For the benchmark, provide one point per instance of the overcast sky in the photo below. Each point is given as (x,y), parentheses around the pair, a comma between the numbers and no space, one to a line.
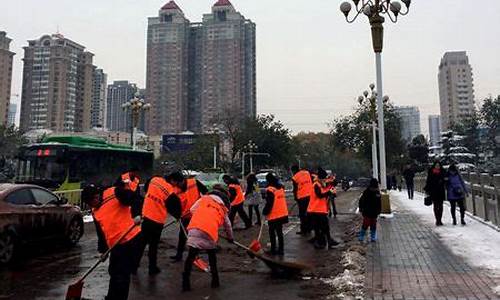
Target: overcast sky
(311,64)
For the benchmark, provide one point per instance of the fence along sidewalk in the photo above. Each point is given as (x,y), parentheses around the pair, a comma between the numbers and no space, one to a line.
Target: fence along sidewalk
(483,200)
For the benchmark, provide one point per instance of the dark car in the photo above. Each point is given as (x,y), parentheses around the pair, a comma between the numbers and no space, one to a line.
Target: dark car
(29,213)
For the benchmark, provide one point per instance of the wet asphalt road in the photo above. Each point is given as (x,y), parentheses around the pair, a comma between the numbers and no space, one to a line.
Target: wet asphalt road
(45,271)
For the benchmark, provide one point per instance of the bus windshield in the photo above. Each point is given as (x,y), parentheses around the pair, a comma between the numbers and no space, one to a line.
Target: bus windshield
(41,169)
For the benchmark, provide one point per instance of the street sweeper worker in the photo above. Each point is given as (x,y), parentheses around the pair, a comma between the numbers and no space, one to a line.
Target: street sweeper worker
(209,213)
(113,212)
(189,191)
(276,212)
(302,189)
(160,200)
(318,210)
(237,199)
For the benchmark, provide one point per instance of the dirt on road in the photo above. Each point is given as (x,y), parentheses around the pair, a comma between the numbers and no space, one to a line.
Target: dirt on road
(242,277)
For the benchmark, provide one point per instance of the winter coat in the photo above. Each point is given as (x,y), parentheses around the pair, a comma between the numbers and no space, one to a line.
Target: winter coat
(253,196)
(455,187)
(409,174)
(370,203)
(435,185)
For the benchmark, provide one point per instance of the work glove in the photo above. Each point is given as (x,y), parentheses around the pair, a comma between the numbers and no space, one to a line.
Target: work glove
(230,240)
(137,220)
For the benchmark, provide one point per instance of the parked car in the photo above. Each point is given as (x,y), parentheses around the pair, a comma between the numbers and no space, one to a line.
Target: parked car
(210,179)
(30,214)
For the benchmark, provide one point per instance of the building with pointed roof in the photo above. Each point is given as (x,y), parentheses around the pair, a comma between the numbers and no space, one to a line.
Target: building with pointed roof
(197,72)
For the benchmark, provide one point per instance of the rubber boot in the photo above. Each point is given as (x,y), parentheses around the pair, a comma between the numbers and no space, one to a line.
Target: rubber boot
(361,235)
(373,235)
(186,282)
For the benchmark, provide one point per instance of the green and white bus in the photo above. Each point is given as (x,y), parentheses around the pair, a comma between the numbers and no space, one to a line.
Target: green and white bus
(64,163)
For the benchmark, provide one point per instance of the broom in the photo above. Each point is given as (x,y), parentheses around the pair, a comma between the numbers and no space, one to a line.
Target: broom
(255,245)
(74,291)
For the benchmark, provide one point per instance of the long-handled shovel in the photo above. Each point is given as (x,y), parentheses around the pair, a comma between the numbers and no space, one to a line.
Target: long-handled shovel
(74,291)
(198,261)
(255,245)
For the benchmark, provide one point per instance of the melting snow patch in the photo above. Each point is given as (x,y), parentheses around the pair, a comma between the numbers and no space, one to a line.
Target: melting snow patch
(88,219)
(387,216)
(497,290)
(349,284)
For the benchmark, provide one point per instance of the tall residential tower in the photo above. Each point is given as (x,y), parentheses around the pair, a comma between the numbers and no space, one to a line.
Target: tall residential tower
(434,130)
(167,70)
(6,58)
(99,92)
(57,85)
(456,88)
(410,122)
(118,93)
(197,72)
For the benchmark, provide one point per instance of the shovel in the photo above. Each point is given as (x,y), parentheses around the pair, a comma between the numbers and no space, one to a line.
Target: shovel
(255,245)
(198,261)
(74,291)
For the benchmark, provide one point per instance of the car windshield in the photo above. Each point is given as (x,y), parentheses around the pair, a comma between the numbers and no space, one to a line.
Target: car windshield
(208,177)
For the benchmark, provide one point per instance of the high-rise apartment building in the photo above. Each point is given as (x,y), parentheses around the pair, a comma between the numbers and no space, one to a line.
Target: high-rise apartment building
(99,92)
(228,60)
(119,92)
(57,85)
(434,129)
(6,58)
(197,72)
(167,70)
(456,88)
(12,114)
(410,121)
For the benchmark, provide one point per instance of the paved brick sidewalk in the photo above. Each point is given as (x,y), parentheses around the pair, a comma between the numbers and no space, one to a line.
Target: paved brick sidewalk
(410,262)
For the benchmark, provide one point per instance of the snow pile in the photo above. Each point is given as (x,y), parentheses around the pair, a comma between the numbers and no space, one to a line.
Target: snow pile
(497,290)
(350,283)
(476,242)
(88,219)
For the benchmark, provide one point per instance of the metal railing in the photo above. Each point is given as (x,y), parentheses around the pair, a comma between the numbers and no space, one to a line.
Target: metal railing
(484,195)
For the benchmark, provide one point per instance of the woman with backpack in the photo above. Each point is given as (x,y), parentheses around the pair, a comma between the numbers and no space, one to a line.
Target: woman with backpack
(457,191)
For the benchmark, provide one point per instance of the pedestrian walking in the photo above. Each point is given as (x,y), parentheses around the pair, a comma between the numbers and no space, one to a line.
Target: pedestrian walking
(409,175)
(276,212)
(208,215)
(302,189)
(331,182)
(318,210)
(253,198)
(114,212)
(237,199)
(435,189)
(456,191)
(189,190)
(159,201)
(370,207)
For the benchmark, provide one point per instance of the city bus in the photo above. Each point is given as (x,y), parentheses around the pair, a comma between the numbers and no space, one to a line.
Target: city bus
(66,163)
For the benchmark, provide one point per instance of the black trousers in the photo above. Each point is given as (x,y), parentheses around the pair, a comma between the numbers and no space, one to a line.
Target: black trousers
(453,207)
(410,187)
(121,263)
(438,210)
(181,244)
(240,210)
(305,222)
(212,261)
(251,208)
(321,226)
(276,232)
(151,233)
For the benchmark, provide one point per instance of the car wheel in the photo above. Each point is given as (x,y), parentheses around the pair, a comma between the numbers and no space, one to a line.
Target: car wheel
(75,231)
(7,246)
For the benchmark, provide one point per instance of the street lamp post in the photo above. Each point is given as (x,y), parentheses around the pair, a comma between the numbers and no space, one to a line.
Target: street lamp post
(374,9)
(135,106)
(215,131)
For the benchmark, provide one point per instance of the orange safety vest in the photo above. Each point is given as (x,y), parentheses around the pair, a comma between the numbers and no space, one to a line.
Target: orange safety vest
(129,183)
(154,202)
(304,184)
(208,217)
(239,194)
(189,197)
(114,219)
(280,208)
(317,204)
